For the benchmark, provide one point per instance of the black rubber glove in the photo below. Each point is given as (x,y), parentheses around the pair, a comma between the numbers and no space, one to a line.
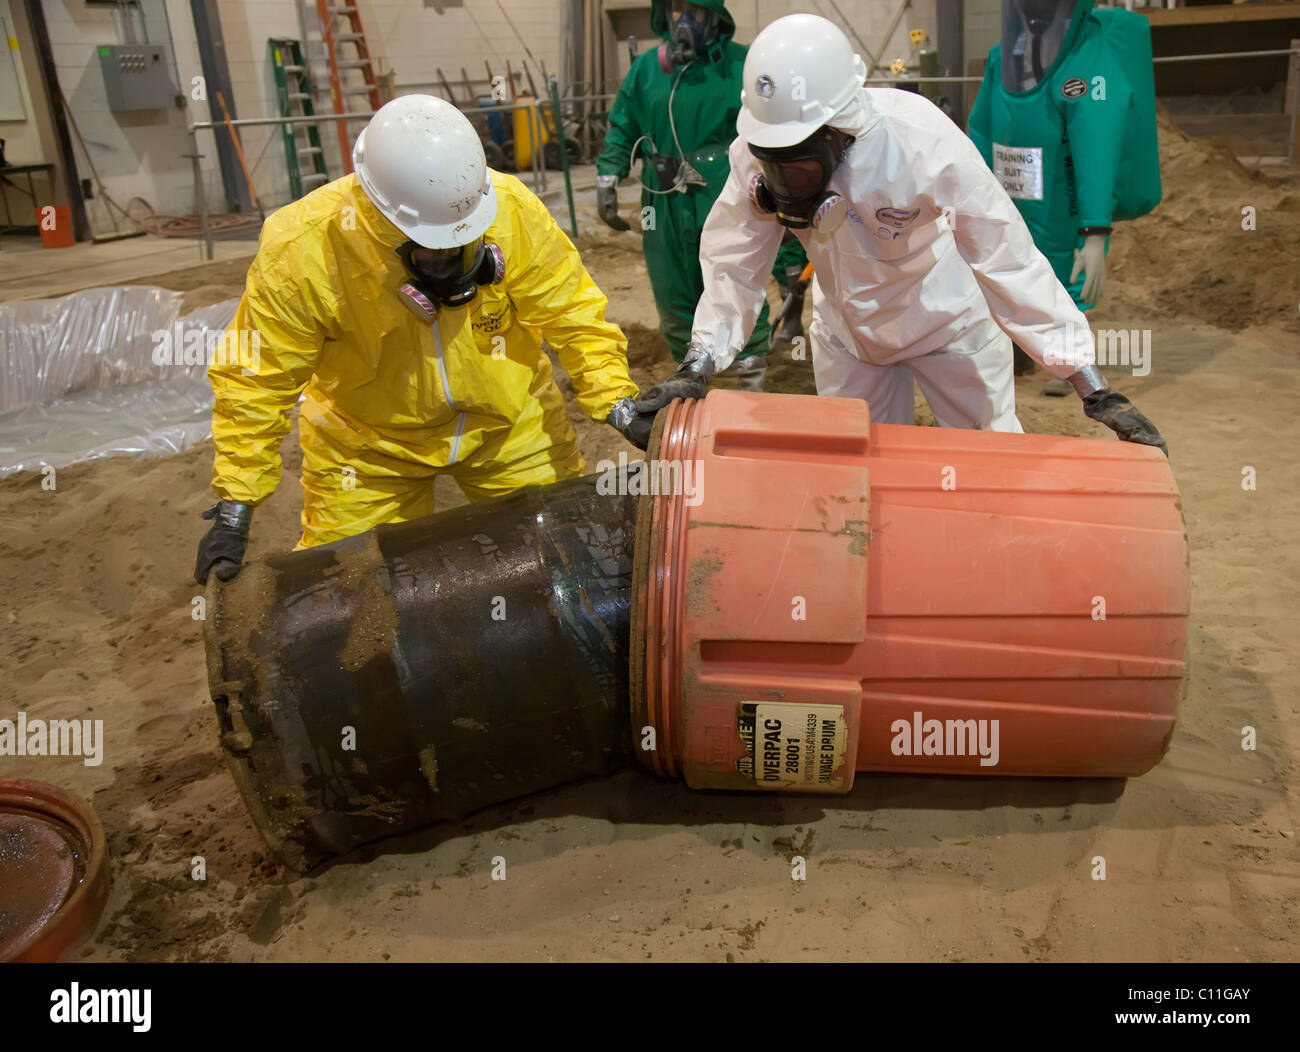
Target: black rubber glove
(607,207)
(633,426)
(1121,416)
(691,380)
(222,547)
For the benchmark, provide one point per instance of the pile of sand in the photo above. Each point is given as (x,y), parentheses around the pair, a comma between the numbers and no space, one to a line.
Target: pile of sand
(1191,257)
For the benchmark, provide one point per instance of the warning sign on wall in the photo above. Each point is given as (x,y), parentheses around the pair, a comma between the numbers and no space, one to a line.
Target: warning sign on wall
(792,746)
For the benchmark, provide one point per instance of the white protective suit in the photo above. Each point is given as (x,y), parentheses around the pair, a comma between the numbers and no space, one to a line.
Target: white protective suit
(931,259)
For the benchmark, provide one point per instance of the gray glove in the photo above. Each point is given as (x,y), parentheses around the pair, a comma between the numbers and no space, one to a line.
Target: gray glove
(691,380)
(1121,416)
(607,203)
(632,425)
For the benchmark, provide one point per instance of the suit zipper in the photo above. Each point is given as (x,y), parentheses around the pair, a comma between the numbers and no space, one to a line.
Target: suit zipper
(446,391)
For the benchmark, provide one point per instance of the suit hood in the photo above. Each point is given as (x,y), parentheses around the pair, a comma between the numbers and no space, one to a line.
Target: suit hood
(660,11)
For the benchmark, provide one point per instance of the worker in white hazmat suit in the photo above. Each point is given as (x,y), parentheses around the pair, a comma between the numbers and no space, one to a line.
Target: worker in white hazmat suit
(923,266)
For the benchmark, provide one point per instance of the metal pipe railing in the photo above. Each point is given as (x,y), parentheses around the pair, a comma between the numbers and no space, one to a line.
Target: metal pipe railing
(905,79)
(244,122)
(193,129)
(1226,54)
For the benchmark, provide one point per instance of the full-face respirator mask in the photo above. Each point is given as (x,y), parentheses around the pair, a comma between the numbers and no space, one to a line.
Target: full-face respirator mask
(691,35)
(794,180)
(448,277)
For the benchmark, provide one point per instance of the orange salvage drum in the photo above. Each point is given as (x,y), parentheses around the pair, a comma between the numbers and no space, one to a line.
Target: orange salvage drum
(816,595)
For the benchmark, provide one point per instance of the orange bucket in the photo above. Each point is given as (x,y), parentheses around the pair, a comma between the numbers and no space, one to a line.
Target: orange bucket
(837,596)
(55,224)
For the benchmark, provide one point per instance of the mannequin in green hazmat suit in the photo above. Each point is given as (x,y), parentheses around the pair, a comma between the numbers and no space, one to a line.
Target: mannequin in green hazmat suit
(676,111)
(1066,119)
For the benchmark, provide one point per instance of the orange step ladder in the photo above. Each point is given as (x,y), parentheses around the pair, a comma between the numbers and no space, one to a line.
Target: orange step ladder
(336,53)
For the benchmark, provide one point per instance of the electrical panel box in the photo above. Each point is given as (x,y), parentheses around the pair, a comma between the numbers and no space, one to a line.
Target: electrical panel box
(137,76)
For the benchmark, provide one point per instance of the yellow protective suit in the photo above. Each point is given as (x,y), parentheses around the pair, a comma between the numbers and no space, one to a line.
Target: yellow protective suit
(391,400)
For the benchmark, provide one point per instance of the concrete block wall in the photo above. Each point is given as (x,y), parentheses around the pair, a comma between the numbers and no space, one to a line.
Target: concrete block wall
(983,26)
(867,18)
(415,41)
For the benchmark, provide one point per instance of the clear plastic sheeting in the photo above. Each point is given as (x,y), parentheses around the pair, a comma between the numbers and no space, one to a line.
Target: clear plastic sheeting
(104,372)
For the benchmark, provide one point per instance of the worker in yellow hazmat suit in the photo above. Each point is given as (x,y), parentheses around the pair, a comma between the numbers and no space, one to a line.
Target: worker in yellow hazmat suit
(408,300)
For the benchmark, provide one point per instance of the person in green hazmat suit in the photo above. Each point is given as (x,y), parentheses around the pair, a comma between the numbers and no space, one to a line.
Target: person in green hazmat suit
(1066,119)
(676,111)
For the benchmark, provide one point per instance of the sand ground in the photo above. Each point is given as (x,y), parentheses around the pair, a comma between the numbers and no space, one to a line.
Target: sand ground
(1202,860)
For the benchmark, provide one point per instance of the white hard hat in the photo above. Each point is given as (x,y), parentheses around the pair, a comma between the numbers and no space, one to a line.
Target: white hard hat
(421,163)
(800,74)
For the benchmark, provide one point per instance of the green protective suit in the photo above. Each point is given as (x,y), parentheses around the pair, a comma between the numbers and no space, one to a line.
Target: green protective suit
(704,110)
(1079,148)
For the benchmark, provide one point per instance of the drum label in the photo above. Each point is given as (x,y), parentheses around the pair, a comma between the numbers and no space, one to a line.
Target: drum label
(792,746)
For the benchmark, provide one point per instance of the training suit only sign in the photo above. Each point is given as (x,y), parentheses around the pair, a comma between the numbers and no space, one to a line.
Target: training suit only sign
(793,746)
(1020,171)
